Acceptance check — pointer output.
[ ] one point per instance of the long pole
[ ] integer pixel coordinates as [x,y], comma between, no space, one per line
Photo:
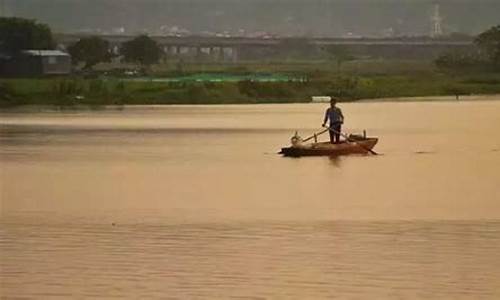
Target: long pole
[352,141]
[315,135]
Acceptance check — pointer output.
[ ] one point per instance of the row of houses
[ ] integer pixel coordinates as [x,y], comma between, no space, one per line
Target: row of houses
[35,63]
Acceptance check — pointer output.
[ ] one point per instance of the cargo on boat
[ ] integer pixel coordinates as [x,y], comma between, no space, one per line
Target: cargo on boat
[329,149]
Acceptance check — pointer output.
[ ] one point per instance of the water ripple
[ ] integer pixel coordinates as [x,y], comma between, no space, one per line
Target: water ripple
[266,260]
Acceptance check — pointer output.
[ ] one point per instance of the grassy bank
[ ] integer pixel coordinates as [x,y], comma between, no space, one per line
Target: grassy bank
[287,67]
[352,82]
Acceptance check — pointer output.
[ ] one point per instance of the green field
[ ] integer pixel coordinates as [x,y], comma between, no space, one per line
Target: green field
[278,82]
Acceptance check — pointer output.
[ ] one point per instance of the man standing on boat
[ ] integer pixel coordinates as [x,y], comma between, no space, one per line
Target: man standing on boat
[334,114]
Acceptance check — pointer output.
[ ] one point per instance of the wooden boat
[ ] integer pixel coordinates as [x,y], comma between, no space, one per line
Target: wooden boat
[358,145]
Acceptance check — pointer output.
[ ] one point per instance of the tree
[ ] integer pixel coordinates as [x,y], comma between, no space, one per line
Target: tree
[489,43]
[143,50]
[18,34]
[91,51]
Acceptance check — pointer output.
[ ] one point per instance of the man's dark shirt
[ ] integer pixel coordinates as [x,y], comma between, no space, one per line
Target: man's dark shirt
[334,115]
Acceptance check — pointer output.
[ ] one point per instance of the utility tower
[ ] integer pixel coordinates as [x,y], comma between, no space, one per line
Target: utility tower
[437,21]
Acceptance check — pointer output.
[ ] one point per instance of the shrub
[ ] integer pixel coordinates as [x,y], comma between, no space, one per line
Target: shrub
[67,87]
[265,89]
[344,87]
[97,87]
[120,87]
[197,92]
[7,94]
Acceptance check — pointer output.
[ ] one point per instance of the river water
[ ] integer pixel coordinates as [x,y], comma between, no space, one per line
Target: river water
[192,202]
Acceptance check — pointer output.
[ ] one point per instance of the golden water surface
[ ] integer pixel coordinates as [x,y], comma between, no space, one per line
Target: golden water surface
[192,202]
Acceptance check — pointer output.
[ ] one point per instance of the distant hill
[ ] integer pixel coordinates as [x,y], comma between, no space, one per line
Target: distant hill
[282,17]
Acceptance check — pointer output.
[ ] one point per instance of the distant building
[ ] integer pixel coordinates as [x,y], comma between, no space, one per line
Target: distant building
[35,63]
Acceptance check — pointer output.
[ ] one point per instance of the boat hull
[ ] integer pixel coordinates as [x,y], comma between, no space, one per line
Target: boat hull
[329,149]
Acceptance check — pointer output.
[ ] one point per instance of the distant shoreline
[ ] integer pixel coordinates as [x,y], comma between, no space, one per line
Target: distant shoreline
[450,98]
[71,92]
[428,99]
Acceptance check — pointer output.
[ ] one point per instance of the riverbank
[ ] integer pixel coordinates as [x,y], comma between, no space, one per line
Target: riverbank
[454,98]
[74,91]
[53,108]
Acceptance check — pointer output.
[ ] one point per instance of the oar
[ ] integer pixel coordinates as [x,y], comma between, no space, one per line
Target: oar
[349,140]
[316,135]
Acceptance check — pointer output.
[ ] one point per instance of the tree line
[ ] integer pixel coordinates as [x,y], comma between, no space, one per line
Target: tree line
[486,55]
[17,34]
[94,50]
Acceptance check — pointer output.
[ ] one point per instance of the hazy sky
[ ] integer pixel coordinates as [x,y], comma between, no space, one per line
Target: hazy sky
[284,17]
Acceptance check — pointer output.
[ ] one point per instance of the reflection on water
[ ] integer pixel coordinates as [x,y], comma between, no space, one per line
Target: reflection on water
[193,202]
